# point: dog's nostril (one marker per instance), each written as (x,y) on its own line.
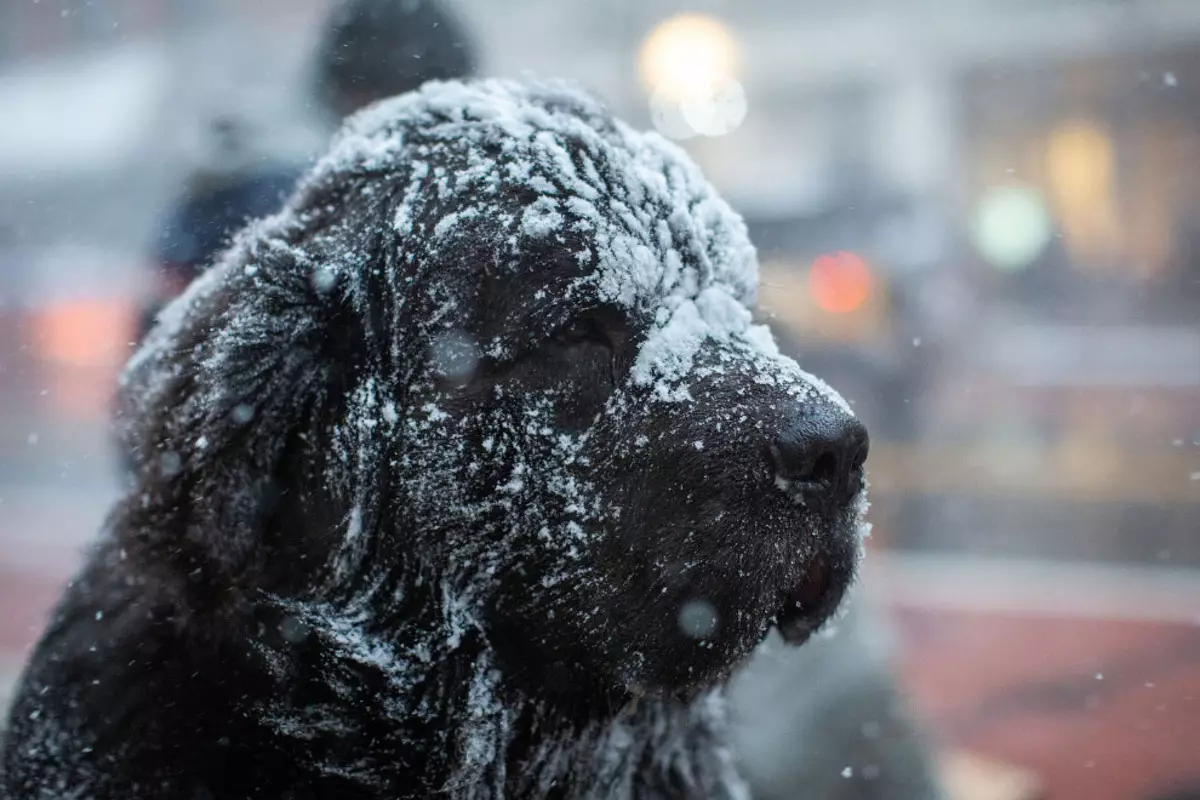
(820,451)
(825,468)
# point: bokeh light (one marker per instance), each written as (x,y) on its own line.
(688,51)
(689,64)
(454,355)
(1080,160)
(82,333)
(1011,226)
(666,114)
(715,110)
(840,282)
(1082,172)
(698,619)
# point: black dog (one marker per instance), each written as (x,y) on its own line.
(466,474)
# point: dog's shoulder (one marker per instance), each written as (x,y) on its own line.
(135,691)
(77,716)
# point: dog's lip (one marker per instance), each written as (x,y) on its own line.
(805,607)
(794,624)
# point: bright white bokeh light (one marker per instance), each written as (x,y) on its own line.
(666,113)
(689,63)
(1011,226)
(687,51)
(716,109)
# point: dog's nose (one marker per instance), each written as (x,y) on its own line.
(817,455)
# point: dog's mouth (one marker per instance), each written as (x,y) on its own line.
(806,607)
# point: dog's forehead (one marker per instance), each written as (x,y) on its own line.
(635,207)
(548,165)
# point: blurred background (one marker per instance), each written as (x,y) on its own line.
(979,219)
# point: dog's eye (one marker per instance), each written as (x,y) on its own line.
(582,331)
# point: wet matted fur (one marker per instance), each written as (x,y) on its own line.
(453,478)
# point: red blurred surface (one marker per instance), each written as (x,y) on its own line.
(1098,709)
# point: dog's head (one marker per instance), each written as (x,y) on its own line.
(498,354)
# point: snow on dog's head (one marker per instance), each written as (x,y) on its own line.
(500,354)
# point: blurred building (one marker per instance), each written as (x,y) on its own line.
(977,218)
(987,193)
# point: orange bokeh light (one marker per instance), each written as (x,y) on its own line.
(81,345)
(83,332)
(839,282)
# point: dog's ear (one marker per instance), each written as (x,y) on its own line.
(230,401)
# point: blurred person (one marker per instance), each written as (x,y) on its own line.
(369,50)
(377,48)
(229,187)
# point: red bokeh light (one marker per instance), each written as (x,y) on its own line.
(83,333)
(839,282)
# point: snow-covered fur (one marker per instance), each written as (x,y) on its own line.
(453,479)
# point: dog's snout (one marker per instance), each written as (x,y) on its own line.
(819,453)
